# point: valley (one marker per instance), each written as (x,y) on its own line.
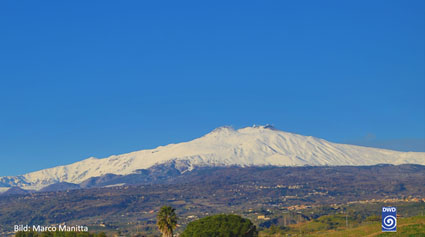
(267,195)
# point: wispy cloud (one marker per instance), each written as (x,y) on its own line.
(403,144)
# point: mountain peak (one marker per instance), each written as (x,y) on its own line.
(223,129)
(258,145)
(229,130)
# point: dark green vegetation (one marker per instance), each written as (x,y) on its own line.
(250,192)
(58,234)
(220,225)
(166,220)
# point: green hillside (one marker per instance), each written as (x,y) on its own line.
(335,226)
(414,226)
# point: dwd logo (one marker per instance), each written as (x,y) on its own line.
(389,219)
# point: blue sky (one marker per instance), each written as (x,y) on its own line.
(96,78)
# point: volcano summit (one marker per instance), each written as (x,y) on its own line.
(224,146)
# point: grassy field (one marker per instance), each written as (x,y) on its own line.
(412,226)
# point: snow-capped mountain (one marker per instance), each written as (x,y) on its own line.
(225,146)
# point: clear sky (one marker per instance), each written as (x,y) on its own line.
(97,78)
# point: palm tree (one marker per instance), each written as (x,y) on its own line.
(166,220)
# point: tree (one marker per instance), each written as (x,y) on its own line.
(221,225)
(166,221)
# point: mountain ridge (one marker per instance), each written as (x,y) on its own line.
(224,146)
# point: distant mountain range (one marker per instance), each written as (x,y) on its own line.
(223,147)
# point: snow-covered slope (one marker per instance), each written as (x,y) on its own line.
(250,146)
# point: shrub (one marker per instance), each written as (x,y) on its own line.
(220,225)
